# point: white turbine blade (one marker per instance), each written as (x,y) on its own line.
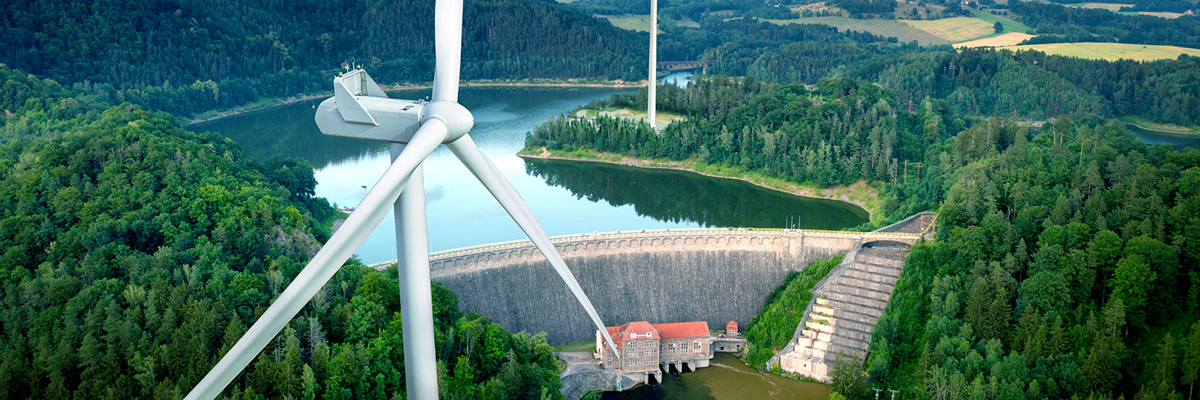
(447,26)
(495,182)
(337,250)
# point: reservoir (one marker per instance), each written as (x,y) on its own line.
(1178,141)
(567,197)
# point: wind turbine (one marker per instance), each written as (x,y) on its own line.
(651,103)
(360,109)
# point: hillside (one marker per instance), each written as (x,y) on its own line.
(188,56)
(136,253)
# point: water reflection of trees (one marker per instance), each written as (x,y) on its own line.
(677,196)
(292,132)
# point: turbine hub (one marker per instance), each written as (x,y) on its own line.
(457,118)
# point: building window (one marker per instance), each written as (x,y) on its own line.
(646,363)
(683,348)
(671,348)
(631,363)
(697,346)
(646,354)
(633,344)
(630,353)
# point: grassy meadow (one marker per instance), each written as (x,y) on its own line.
(881,27)
(641,23)
(1004,39)
(1110,51)
(957,29)
(1114,7)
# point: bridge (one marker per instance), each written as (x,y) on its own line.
(714,275)
(666,67)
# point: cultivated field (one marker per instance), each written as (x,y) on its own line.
(1110,51)
(1164,14)
(1009,25)
(1114,7)
(641,23)
(1007,39)
(957,29)
(880,27)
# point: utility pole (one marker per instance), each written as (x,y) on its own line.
(894,391)
(905,172)
(877,393)
(918,171)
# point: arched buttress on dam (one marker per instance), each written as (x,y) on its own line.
(713,275)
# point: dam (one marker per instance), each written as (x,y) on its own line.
(713,275)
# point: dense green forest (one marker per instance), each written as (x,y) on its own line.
(1067,264)
(782,310)
(840,132)
(1066,267)
(1102,25)
(188,56)
(136,253)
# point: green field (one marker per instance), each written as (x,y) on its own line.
(1110,51)
(957,29)
(880,27)
(1114,7)
(589,345)
(1009,25)
(641,23)
(1164,14)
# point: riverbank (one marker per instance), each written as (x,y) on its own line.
(1161,128)
(859,193)
(263,104)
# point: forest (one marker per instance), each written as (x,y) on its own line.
(186,57)
(1065,267)
(136,253)
(840,132)
(1067,261)
(782,311)
(1135,29)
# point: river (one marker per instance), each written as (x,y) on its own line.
(566,197)
(726,378)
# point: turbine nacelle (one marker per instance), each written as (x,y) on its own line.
(359,109)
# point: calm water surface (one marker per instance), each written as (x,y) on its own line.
(1178,141)
(566,197)
(727,378)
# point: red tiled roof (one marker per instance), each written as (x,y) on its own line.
(645,330)
(731,326)
(640,330)
(683,329)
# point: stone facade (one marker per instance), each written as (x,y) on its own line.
(649,349)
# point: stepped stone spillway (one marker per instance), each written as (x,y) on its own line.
(848,303)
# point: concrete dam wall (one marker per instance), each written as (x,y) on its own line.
(713,275)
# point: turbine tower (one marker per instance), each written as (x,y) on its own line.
(653,82)
(360,109)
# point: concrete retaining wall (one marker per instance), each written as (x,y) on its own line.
(713,275)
